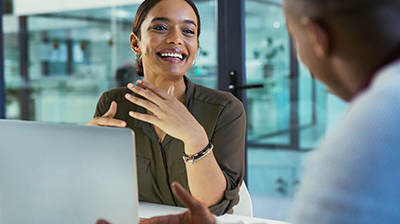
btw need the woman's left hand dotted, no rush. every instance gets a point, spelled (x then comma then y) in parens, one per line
(167, 113)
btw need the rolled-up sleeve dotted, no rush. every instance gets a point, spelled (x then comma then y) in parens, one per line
(228, 140)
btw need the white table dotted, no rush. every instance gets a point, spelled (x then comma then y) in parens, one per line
(148, 210)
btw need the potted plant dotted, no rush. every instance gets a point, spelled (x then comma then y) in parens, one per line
(268, 54)
(11, 95)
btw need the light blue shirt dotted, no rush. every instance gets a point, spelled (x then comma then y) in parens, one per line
(354, 177)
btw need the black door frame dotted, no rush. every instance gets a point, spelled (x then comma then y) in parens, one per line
(2, 83)
(232, 70)
(230, 51)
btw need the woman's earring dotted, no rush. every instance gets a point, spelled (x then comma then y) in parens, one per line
(138, 57)
(198, 53)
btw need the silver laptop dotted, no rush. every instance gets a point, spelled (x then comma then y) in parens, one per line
(58, 173)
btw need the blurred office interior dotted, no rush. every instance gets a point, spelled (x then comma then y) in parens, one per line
(60, 56)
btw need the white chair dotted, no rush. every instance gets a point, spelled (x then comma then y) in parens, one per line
(244, 207)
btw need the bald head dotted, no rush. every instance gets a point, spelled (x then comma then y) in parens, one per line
(343, 41)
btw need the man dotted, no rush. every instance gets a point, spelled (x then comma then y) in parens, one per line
(352, 46)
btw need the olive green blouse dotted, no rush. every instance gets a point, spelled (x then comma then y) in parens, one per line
(159, 164)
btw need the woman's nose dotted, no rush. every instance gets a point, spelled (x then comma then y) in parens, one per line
(175, 37)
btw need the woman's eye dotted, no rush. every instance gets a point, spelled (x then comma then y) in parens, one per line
(189, 32)
(159, 28)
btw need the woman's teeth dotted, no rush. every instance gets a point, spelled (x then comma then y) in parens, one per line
(172, 55)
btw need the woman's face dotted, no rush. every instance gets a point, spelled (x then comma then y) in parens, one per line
(168, 42)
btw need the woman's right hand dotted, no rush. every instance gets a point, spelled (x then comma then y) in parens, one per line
(108, 118)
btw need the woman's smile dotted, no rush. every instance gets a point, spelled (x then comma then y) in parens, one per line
(172, 55)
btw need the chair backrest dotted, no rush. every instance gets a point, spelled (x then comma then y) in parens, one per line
(244, 207)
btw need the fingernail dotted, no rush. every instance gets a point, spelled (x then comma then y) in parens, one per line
(130, 85)
(128, 95)
(131, 113)
(123, 123)
(139, 81)
(171, 90)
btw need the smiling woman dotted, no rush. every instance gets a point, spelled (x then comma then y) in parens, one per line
(163, 33)
(172, 117)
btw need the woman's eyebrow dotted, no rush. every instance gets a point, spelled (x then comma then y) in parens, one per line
(160, 19)
(165, 19)
(190, 21)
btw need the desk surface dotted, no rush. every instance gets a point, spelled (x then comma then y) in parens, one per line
(148, 210)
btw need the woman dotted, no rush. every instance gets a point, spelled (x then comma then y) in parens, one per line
(170, 115)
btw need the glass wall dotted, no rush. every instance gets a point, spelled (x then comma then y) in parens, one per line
(12, 75)
(286, 118)
(267, 63)
(74, 56)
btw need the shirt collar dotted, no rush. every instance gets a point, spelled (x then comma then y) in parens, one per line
(189, 90)
(391, 57)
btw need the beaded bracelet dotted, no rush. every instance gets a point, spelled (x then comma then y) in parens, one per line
(199, 155)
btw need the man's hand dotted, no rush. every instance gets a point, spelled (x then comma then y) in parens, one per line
(197, 213)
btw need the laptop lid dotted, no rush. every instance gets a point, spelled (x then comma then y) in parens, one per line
(59, 173)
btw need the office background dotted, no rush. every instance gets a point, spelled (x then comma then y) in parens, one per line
(58, 58)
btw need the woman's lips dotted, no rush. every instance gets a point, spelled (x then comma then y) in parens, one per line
(172, 57)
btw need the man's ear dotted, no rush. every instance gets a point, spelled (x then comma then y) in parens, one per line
(134, 43)
(318, 36)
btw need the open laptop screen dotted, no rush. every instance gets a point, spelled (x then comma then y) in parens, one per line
(58, 173)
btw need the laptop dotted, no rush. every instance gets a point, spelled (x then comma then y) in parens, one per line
(60, 173)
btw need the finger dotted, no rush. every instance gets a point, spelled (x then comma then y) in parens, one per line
(148, 85)
(104, 121)
(154, 89)
(168, 219)
(102, 221)
(188, 200)
(150, 106)
(111, 111)
(144, 117)
(149, 95)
